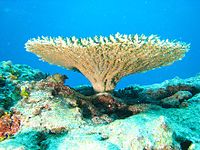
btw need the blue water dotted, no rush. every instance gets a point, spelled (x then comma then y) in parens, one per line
(21, 20)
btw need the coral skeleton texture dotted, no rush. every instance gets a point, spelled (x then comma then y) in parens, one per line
(105, 60)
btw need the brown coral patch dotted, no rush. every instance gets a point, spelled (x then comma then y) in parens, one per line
(157, 94)
(104, 108)
(57, 88)
(108, 103)
(182, 87)
(176, 100)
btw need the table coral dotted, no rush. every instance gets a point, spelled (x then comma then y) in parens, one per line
(105, 60)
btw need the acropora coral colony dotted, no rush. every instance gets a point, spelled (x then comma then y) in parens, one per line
(105, 60)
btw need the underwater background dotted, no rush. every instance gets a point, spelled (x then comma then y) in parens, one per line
(173, 19)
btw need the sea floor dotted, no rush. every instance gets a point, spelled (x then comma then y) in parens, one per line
(39, 112)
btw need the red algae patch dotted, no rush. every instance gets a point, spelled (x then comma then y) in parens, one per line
(9, 125)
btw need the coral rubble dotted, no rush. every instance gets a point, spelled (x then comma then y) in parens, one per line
(105, 60)
(50, 115)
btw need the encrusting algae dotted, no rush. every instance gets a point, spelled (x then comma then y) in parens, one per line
(105, 60)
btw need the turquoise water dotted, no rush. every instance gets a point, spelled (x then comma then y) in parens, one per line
(173, 19)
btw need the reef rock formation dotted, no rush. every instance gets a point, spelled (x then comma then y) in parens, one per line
(51, 115)
(105, 60)
(11, 78)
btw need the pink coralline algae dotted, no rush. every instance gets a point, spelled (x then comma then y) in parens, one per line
(9, 125)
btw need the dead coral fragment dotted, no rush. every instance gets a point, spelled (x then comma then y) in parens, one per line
(105, 60)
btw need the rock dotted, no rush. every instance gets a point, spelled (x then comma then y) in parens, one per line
(132, 133)
(195, 98)
(42, 112)
(176, 99)
(26, 139)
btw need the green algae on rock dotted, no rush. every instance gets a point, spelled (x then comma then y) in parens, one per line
(105, 60)
(11, 76)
